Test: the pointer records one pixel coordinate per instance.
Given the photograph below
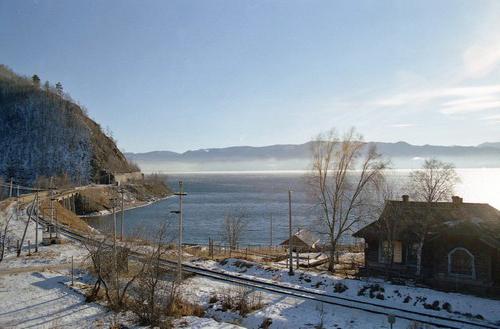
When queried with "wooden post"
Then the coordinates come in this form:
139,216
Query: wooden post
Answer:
290,244
297,258
29,248
10,189
122,191
17,248
72,271
246,252
308,263
271,232
36,228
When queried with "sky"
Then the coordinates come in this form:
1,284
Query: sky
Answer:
180,75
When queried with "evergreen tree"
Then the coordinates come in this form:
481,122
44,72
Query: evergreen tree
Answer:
36,80
59,89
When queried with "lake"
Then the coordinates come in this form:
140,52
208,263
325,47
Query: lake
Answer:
261,195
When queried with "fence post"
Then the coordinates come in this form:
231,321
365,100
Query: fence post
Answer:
17,248
29,248
72,271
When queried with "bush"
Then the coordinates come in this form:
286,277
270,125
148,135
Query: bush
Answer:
241,300
339,287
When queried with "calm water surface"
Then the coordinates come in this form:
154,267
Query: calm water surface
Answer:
261,195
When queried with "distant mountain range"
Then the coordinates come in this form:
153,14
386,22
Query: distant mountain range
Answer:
297,157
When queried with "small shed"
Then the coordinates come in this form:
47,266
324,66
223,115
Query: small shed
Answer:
302,241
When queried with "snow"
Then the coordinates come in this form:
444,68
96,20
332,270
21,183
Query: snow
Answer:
193,322
405,297
35,292
43,300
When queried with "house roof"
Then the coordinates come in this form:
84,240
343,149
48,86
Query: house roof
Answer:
451,217
305,236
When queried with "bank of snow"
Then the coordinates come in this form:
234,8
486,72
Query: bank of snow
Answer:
377,291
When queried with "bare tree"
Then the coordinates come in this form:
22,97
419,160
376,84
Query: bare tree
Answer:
235,224
151,293
434,182
389,223
110,266
3,236
343,172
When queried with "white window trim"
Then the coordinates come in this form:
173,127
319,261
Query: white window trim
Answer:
473,276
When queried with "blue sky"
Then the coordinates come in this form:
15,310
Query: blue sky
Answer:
179,75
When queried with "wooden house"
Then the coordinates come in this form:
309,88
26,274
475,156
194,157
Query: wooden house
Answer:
460,250
303,241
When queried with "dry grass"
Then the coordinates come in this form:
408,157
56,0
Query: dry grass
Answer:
239,299
63,216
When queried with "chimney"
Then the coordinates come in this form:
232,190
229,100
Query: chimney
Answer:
405,198
456,199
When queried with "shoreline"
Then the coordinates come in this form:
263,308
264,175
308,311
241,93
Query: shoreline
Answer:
109,212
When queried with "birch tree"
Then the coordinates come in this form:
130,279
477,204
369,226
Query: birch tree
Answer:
434,182
343,172
234,226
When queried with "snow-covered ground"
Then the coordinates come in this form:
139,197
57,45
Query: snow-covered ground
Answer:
44,300
374,290
35,293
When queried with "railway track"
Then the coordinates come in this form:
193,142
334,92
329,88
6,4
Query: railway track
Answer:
309,294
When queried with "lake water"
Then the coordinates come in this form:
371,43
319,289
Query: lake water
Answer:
260,195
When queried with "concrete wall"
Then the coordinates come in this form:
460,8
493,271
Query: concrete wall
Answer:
121,178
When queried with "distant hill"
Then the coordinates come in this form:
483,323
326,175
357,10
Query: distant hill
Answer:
494,145
44,133
296,157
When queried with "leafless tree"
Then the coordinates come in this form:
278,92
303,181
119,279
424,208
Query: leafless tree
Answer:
110,266
434,182
151,293
343,172
389,223
3,236
235,224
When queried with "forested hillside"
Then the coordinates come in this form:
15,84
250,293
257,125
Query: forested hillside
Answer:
43,133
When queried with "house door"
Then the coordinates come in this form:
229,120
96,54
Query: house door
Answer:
398,252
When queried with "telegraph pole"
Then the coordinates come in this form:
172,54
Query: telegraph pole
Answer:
179,246
271,234
290,254
36,223
122,191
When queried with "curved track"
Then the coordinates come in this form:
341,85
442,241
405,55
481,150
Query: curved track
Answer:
308,294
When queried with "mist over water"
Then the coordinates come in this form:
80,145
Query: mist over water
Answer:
261,195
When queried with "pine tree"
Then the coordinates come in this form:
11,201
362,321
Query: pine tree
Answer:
36,80
59,89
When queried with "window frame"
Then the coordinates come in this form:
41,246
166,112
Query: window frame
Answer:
461,275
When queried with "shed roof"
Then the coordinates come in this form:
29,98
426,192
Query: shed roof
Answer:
305,236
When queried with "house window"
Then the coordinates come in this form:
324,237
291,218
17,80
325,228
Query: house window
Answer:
461,263
412,253
385,252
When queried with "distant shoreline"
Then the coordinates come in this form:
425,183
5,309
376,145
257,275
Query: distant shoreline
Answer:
109,212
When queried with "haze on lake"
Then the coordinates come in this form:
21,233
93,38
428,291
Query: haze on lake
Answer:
262,194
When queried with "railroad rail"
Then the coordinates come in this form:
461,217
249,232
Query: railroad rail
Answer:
309,294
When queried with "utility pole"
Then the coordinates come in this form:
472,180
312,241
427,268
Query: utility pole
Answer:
271,234
179,246
114,220
115,260
290,255
36,225
122,191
